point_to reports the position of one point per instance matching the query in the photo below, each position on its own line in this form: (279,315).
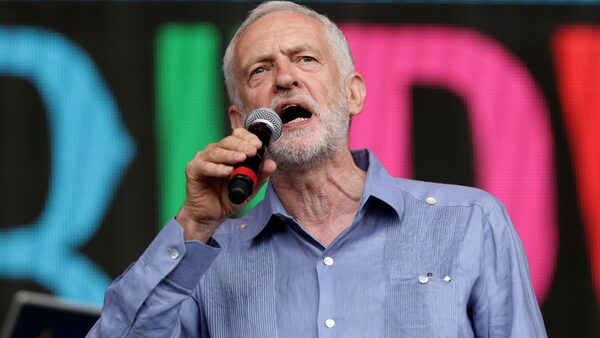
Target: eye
(257,70)
(306,58)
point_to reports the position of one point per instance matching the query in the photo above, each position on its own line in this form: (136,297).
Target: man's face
(285,62)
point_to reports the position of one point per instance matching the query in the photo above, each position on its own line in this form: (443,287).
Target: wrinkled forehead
(282,29)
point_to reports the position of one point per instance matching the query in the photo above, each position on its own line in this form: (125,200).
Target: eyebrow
(253,61)
(288,51)
(314,50)
(304,48)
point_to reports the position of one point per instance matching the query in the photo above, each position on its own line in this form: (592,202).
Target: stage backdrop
(103,103)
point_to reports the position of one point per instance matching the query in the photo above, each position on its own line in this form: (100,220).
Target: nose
(285,76)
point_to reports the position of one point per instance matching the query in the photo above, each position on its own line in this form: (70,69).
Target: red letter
(577,54)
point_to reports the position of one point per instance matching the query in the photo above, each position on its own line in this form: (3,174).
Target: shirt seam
(482,262)
(141,305)
(274,280)
(470,205)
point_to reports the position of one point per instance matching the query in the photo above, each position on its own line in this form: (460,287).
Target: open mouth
(294,113)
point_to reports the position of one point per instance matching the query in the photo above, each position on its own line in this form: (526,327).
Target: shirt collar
(378,184)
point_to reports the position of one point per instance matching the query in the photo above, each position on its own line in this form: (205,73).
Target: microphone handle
(244,176)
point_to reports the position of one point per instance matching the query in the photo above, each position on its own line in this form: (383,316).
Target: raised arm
(155,297)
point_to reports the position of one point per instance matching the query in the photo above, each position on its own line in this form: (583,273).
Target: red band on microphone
(245,171)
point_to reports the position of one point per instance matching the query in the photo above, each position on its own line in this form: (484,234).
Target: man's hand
(207,203)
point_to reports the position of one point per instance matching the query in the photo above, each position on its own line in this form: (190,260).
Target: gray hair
(335,36)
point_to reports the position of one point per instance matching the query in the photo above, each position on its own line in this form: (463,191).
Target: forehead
(281,30)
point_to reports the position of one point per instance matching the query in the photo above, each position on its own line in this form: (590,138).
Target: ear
(235,117)
(355,92)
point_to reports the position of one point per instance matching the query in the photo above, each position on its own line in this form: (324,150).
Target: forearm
(147,298)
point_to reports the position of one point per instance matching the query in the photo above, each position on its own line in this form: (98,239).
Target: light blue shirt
(419,260)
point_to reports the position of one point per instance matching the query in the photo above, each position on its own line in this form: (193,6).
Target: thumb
(267,169)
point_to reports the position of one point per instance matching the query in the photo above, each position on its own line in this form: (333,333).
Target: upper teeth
(289,105)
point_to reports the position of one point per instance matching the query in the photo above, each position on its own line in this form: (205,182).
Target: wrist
(193,229)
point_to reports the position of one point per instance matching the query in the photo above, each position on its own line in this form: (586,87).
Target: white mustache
(306,99)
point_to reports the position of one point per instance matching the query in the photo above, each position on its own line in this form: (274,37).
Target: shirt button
(328,261)
(330,323)
(173,253)
(431,200)
(423,279)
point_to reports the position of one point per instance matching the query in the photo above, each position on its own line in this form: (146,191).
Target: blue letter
(90,149)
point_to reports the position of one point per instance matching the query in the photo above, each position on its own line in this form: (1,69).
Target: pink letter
(513,147)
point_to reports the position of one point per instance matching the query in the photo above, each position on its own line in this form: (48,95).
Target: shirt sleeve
(153,297)
(507,306)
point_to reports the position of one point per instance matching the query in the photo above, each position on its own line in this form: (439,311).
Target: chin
(300,156)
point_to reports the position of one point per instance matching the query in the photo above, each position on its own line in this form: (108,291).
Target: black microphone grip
(244,176)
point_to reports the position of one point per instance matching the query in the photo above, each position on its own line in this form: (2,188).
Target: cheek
(256,97)
(324,89)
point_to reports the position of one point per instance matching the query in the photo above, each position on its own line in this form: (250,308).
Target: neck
(323,199)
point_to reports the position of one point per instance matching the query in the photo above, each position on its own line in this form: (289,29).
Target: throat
(325,234)
(324,201)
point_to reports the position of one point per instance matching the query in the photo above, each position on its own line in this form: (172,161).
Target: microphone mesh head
(269,118)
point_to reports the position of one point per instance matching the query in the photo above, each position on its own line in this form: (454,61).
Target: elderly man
(338,248)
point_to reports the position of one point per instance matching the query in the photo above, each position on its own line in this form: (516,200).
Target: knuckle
(199,154)
(239,131)
(196,165)
(189,169)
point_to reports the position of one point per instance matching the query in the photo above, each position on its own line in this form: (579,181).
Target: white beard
(304,148)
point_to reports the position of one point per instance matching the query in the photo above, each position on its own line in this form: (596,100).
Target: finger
(198,169)
(248,146)
(247,136)
(267,169)
(223,156)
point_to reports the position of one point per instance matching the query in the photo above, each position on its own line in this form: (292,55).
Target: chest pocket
(420,255)
(420,306)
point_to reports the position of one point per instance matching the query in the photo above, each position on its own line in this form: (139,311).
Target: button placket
(326,280)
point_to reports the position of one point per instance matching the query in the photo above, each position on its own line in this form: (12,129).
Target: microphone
(267,125)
